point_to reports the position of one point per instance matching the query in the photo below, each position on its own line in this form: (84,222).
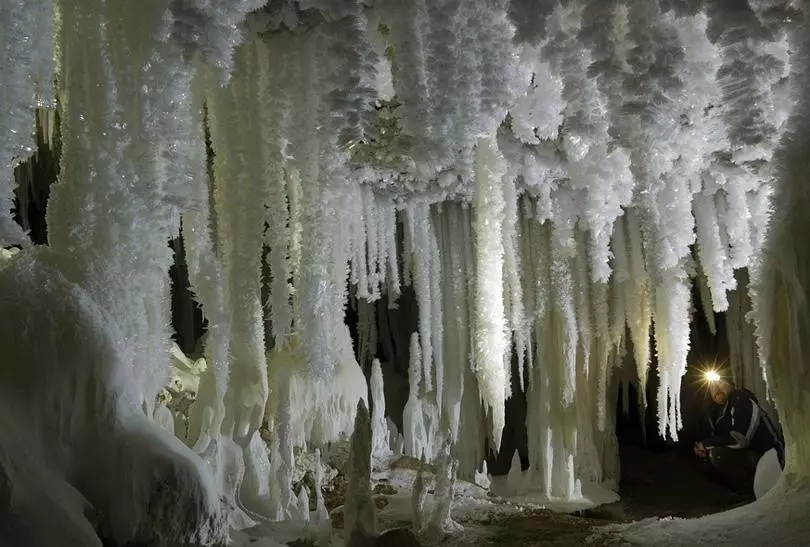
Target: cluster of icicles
(557,179)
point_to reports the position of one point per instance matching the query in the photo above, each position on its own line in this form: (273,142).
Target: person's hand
(700,450)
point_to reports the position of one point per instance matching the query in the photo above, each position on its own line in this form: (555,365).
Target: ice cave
(400,272)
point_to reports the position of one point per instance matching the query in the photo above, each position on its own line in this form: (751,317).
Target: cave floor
(654,484)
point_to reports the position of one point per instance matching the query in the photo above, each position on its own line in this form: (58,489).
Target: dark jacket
(743,424)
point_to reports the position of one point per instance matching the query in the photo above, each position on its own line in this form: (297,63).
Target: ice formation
(360,515)
(549,179)
(379,427)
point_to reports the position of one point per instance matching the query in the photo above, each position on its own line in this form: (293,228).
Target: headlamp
(711,376)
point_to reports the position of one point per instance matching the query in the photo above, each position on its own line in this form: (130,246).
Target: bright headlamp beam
(711,376)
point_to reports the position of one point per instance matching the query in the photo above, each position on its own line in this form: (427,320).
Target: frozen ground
(667,484)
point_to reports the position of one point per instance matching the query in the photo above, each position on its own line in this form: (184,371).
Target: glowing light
(711,376)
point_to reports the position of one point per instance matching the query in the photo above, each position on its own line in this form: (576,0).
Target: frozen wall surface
(549,179)
(782,314)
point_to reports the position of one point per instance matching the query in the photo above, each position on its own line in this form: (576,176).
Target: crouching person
(741,433)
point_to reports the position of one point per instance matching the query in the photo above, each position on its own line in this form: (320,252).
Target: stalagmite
(379,427)
(360,515)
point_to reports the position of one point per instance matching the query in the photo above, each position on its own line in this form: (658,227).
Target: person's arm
(722,439)
(744,421)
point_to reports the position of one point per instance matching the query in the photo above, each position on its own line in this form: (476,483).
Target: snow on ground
(653,485)
(477,510)
(778,518)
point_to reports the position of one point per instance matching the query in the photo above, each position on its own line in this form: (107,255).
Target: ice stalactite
(389,243)
(490,343)
(672,305)
(712,252)
(314,289)
(639,302)
(419,246)
(664,195)
(206,280)
(413,420)
(597,169)
(275,104)
(452,237)
(367,333)
(360,514)
(552,418)
(330,115)
(240,193)
(132,161)
(746,368)
(282,456)
(603,349)
(705,298)
(323,410)
(518,325)
(780,303)
(563,307)
(437,321)
(538,399)
(27,46)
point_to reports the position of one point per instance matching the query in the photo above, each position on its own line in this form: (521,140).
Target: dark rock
(397,537)
(386,489)
(380,502)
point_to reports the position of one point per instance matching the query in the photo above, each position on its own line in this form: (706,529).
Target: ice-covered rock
(322,411)
(767,474)
(65,357)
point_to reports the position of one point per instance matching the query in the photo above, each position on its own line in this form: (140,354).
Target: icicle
(456,309)
(390,242)
(413,425)
(240,222)
(274,104)
(672,305)
(712,252)
(706,299)
(422,248)
(639,313)
(512,267)
(436,319)
(490,328)
(282,457)
(736,219)
(372,217)
(583,302)
(599,302)
(563,304)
